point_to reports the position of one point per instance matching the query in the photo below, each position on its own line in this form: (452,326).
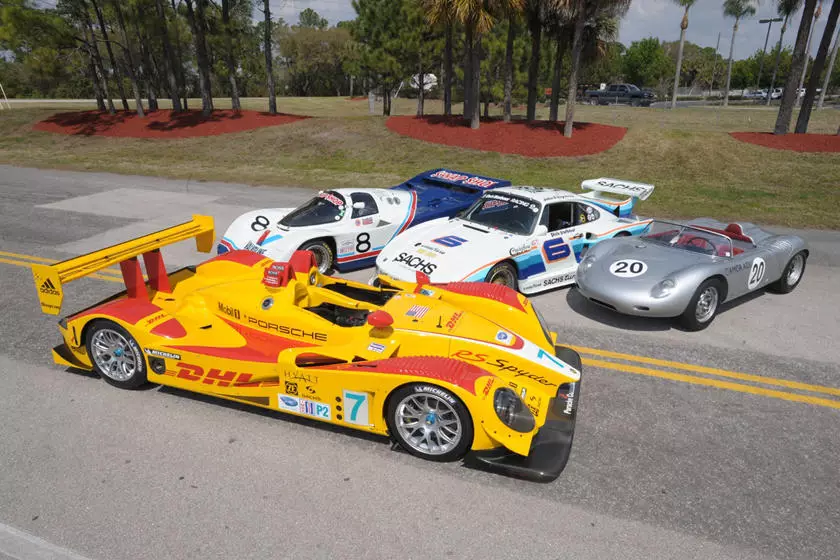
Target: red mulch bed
(793,142)
(160,124)
(532,139)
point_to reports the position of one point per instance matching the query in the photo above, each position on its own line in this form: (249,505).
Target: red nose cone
(422,278)
(380,319)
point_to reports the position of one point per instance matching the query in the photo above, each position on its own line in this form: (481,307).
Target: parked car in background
(620,94)
(776,93)
(755,94)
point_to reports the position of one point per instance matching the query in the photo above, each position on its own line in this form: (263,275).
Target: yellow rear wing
(50,278)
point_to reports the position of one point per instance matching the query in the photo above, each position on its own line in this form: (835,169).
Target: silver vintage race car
(687,271)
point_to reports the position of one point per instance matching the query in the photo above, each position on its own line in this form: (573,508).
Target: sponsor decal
(48,288)
(427,292)
(463,179)
(347,246)
(735,268)
(291,331)
(616,185)
(524,248)
(493,204)
(502,365)
(162,354)
(376,347)
(568,277)
(513,200)
(303,406)
(331,198)
(431,248)
(426,252)
(488,386)
(435,391)
(216,377)
(229,310)
(253,247)
(356,408)
(504,337)
(301,377)
(450,324)
(155,318)
(417,263)
(291,388)
(292,404)
(628,268)
(367,221)
(567,393)
(417,311)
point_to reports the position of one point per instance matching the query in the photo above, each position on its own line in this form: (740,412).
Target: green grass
(698,169)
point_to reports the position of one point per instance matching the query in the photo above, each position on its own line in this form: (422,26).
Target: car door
(365,234)
(623,94)
(557,254)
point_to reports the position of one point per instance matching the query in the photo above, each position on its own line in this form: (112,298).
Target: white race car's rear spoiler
(617,186)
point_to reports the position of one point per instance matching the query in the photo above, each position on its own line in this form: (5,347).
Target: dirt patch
(792,142)
(532,139)
(160,124)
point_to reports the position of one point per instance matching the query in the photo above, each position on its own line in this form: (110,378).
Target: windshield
(326,208)
(506,212)
(688,238)
(631,87)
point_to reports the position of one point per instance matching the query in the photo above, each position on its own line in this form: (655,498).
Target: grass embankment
(699,170)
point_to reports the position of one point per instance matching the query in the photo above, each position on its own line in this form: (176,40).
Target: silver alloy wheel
(428,424)
(593,101)
(323,257)
(503,276)
(795,271)
(706,304)
(113,355)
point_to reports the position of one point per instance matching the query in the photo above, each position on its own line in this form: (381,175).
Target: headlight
(512,411)
(663,289)
(586,263)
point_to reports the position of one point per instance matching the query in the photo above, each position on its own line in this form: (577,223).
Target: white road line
(20,545)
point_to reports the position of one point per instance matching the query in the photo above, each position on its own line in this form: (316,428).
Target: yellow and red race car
(447,371)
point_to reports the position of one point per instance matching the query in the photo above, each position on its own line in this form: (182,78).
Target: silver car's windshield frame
(681,229)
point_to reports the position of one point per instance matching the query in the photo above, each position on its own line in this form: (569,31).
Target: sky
(646,18)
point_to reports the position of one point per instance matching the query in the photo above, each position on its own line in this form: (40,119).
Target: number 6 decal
(628,268)
(356,408)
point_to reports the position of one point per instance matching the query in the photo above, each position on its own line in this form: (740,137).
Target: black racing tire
(503,273)
(324,256)
(695,317)
(115,355)
(425,399)
(791,277)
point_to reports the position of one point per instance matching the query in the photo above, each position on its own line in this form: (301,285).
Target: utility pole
(714,65)
(830,68)
(768,21)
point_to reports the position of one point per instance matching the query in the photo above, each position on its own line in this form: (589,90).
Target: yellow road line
(48,261)
(751,389)
(710,370)
(29,264)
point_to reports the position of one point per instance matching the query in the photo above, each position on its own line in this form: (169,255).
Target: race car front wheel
(429,422)
(703,307)
(115,355)
(324,257)
(503,273)
(792,274)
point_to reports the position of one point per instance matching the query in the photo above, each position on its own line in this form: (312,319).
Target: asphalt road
(680,452)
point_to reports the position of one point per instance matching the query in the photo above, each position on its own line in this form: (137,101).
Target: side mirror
(589,235)
(541,230)
(380,319)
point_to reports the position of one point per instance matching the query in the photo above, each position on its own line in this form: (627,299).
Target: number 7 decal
(356,408)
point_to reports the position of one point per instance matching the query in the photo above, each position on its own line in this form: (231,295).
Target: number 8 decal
(363,243)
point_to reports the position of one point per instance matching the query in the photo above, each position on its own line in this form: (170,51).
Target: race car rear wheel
(115,355)
(792,274)
(324,257)
(429,422)
(703,307)
(503,273)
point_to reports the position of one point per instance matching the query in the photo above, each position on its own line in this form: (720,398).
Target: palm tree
(683,26)
(536,15)
(230,61)
(269,66)
(584,11)
(816,70)
(514,9)
(785,9)
(198,24)
(817,13)
(477,18)
(736,9)
(442,12)
(796,65)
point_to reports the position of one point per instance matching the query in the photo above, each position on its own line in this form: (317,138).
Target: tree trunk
(776,65)
(229,61)
(797,62)
(683,27)
(110,51)
(829,71)
(97,58)
(487,108)
(97,89)
(468,59)
(351,87)
(577,47)
(447,71)
(511,35)
(386,101)
(197,22)
(150,74)
(138,101)
(475,90)
(554,110)
(420,95)
(169,56)
(798,99)
(269,64)
(535,27)
(182,80)
(729,67)
(371,101)
(816,70)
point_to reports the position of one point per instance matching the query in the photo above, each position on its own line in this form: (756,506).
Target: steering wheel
(698,244)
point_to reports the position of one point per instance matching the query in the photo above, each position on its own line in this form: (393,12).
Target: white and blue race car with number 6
(527,238)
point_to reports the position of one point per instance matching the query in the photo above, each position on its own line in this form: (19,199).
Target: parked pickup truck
(620,93)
